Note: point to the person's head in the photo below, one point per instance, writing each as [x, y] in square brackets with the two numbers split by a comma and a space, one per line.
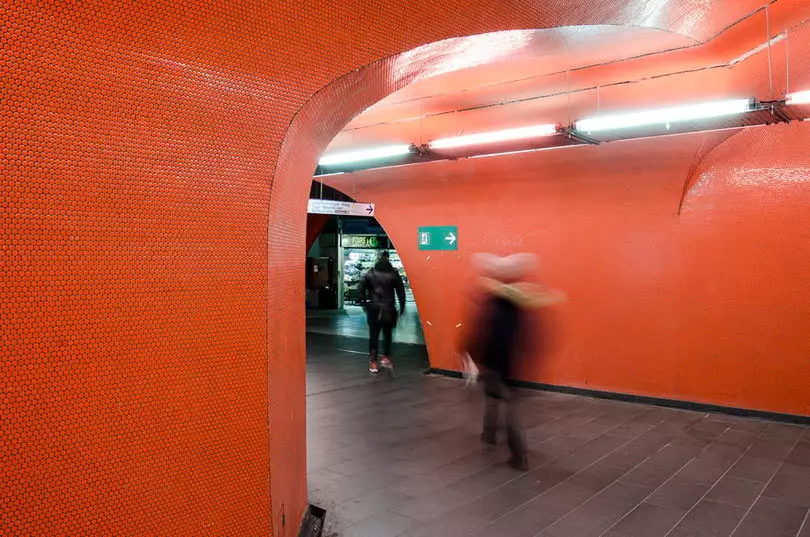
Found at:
[510, 269]
[385, 256]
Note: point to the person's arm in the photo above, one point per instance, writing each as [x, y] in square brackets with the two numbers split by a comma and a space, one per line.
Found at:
[363, 288]
[400, 292]
[533, 296]
[549, 297]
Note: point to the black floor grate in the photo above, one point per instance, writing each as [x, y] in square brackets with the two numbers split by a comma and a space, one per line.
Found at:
[312, 525]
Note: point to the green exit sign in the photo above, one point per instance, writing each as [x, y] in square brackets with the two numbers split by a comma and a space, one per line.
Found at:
[438, 238]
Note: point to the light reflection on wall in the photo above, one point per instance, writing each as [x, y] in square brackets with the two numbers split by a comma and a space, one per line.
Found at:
[462, 53]
[685, 20]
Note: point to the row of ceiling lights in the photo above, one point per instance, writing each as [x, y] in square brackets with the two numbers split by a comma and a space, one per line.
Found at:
[582, 130]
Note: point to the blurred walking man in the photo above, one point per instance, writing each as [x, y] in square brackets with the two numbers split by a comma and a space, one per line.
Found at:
[501, 336]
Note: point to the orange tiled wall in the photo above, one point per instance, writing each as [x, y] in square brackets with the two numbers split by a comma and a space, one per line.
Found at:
[156, 160]
[707, 305]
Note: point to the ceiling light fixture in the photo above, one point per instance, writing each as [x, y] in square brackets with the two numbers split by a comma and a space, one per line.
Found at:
[507, 135]
[802, 97]
[665, 116]
[365, 154]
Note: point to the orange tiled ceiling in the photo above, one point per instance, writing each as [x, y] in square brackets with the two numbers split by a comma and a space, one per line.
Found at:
[537, 53]
[525, 77]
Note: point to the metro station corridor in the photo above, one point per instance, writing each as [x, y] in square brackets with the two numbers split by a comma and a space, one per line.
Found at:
[601, 204]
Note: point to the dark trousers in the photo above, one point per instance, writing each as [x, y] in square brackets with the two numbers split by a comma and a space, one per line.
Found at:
[376, 325]
[498, 392]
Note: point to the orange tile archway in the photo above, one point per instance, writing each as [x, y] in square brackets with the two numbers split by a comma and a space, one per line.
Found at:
[156, 163]
[748, 78]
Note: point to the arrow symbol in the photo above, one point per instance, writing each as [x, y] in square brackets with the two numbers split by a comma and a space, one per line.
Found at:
[450, 238]
[370, 209]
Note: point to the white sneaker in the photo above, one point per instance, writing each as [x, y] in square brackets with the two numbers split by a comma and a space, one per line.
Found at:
[385, 363]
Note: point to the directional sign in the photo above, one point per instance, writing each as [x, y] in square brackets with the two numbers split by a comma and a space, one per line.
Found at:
[340, 208]
[372, 242]
[438, 238]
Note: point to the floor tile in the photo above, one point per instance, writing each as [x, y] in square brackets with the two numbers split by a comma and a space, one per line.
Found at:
[773, 515]
[715, 519]
[679, 493]
[754, 468]
[649, 474]
[734, 491]
[596, 477]
[452, 525]
[648, 520]
[791, 484]
[771, 448]
[751, 531]
[386, 524]
[800, 454]
[525, 521]
[706, 471]
[373, 503]
[600, 512]
[541, 479]
[497, 503]
[431, 506]
[562, 499]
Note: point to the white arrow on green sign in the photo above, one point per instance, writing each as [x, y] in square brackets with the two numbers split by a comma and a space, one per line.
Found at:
[438, 238]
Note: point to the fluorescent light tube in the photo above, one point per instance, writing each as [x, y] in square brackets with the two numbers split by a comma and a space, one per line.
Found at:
[802, 97]
[365, 154]
[522, 133]
[664, 116]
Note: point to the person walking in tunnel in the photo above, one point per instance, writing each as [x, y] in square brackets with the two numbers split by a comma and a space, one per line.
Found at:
[500, 337]
[380, 288]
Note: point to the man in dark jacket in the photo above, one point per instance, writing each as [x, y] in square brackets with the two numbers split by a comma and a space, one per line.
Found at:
[380, 288]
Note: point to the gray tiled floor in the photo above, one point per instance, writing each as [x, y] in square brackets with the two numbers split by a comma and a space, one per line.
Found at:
[401, 457]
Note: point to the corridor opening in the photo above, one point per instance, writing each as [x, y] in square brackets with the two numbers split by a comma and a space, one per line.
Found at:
[610, 223]
[341, 251]
[340, 257]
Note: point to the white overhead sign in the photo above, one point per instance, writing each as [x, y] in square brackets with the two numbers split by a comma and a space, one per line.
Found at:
[340, 208]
